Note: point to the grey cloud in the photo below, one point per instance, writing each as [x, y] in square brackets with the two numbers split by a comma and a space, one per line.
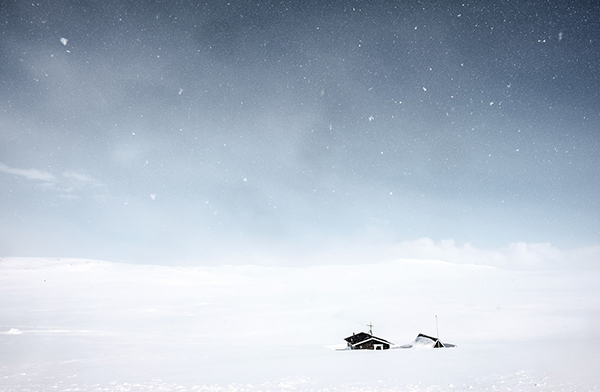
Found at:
[67, 183]
[31, 174]
[82, 178]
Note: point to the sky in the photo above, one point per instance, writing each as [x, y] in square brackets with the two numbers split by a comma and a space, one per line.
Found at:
[190, 132]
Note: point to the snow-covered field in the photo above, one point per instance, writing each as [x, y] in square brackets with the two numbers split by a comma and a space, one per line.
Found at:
[83, 325]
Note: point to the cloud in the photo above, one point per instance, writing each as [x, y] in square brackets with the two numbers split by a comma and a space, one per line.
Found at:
[81, 180]
[73, 183]
[69, 196]
[519, 255]
[65, 185]
[31, 174]
[78, 177]
[513, 256]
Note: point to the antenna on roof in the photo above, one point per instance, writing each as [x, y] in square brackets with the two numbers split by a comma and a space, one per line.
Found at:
[436, 327]
[370, 325]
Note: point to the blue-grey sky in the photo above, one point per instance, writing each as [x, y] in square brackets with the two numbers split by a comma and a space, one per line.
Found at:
[167, 131]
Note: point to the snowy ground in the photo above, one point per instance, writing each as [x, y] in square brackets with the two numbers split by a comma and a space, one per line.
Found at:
[82, 325]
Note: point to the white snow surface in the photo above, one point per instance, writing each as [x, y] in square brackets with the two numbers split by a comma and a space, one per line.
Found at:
[85, 325]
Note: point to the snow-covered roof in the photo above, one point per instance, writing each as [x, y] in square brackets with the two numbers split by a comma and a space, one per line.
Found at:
[372, 338]
[363, 337]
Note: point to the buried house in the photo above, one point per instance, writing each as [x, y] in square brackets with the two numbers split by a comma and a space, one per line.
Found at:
[366, 341]
[423, 340]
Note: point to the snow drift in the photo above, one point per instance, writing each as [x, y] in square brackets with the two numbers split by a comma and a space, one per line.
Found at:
[93, 325]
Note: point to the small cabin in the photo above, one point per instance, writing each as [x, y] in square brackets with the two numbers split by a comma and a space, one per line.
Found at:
[366, 341]
[437, 343]
[423, 340]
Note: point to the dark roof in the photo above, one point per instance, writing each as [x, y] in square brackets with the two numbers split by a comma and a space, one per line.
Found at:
[362, 336]
[357, 337]
[437, 343]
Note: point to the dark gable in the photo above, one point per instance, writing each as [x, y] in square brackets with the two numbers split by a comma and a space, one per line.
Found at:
[365, 341]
